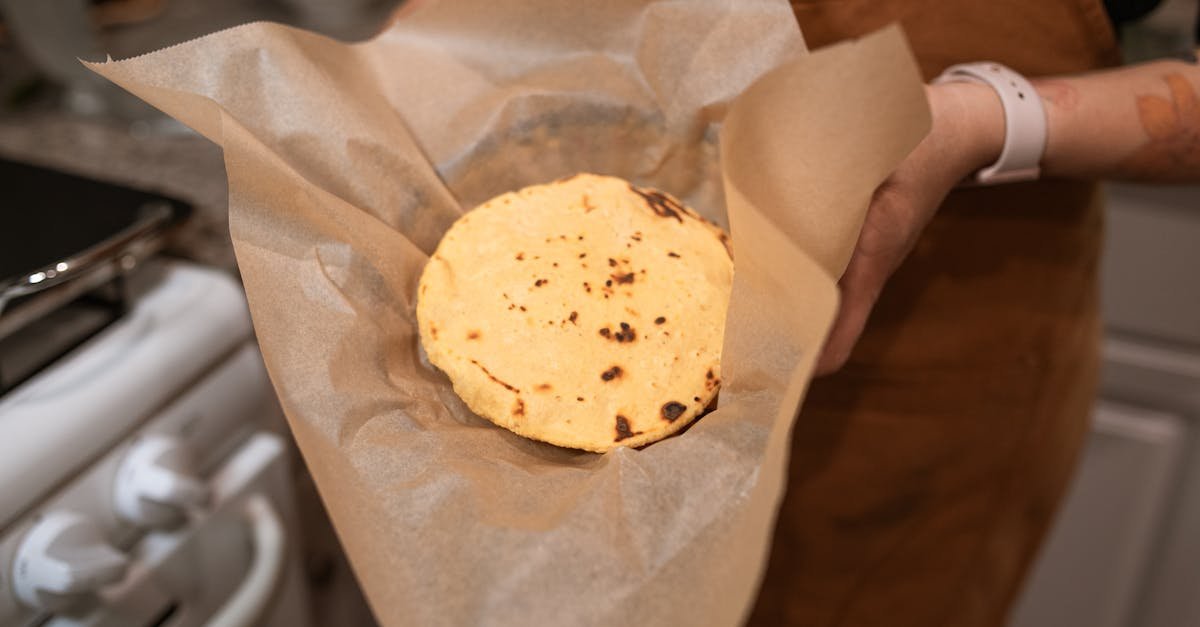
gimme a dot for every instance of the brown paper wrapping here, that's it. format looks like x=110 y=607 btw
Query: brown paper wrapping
x=346 y=162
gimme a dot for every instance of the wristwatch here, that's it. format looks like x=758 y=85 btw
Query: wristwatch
x=1024 y=121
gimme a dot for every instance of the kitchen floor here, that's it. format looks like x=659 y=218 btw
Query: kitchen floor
x=127 y=142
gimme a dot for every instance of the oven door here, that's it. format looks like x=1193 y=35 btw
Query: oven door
x=234 y=565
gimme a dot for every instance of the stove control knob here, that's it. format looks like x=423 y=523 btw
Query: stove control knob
x=156 y=483
x=63 y=557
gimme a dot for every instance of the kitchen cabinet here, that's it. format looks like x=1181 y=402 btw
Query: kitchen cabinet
x=1125 y=550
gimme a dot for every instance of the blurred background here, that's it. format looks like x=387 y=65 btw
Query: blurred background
x=103 y=520
x=137 y=366
x=1125 y=551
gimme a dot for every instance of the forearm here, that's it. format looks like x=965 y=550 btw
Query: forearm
x=1137 y=123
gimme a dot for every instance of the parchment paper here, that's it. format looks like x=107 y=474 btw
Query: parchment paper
x=346 y=162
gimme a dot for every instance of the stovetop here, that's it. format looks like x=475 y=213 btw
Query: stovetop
x=67 y=246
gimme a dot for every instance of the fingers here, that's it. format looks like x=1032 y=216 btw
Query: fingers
x=841 y=341
x=887 y=235
x=860 y=286
x=898 y=213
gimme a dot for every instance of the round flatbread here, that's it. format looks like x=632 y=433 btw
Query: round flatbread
x=588 y=313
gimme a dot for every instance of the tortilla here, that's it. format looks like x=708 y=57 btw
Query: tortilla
x=587 y=313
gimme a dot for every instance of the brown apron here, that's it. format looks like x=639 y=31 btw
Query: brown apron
x=924 y=475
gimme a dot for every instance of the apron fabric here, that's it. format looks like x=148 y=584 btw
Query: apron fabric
x=926 y=473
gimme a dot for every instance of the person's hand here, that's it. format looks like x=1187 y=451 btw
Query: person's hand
x=967 y=134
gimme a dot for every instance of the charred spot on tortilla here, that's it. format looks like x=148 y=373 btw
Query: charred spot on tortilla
x=673 y=410
x=611 y=373
x=491 y=376
x=623 y=430
x=661 y=204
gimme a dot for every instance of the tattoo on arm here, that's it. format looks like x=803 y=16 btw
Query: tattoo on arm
x=1173 y=126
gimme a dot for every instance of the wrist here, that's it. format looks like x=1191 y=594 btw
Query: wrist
x=1063 y=121
x=974 y=118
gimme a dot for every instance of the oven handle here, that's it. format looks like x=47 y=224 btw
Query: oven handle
x=154 y=218
x=247 y=606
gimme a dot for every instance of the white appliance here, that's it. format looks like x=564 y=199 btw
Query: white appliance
x=143 y=480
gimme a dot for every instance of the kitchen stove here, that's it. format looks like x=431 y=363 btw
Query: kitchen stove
x=144 y=472
x=66 y=246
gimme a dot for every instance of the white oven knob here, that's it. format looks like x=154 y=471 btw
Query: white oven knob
x=156 y=483
x=64 y=556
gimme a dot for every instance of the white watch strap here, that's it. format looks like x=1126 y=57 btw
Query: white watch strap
x=1024 y=121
